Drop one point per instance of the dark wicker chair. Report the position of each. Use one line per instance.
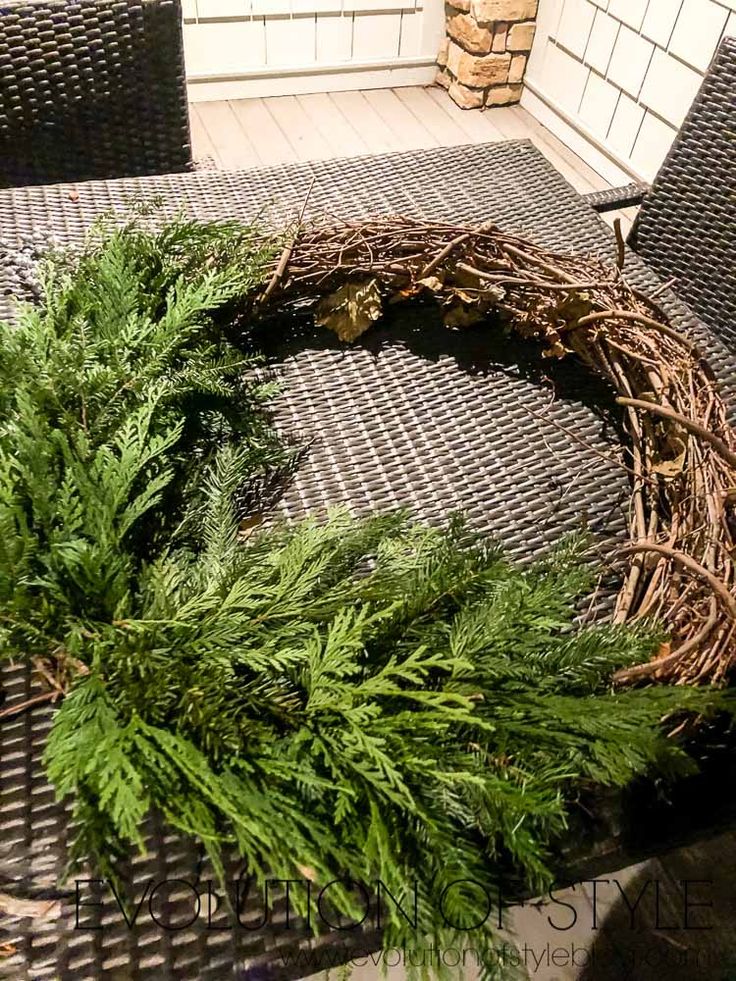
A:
(686, 227)
(91, 89)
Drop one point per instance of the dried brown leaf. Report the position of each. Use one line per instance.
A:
(555, 350)
(248, 525)
(664, 650)
(433, 283)
(461, 315)
(572, 306)
(351, 309)
(670, 467)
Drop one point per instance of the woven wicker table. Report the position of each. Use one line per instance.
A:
(414, 415)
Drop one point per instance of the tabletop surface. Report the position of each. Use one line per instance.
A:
(412, 415)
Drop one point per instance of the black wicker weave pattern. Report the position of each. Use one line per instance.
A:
(435, 420)
(614, 198)
(686, 227)
(91, 89)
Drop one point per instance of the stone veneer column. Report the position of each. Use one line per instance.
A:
(483, 58)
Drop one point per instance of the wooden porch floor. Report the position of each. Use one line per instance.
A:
(260, 132)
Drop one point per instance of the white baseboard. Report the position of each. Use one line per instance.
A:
(340, 78)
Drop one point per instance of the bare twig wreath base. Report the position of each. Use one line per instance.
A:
(682, 451)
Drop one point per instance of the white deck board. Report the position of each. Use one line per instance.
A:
(364, 118)
(443, 128)
(233, 148)
(282, 129)
(408, 131)
(271, 145)
(478, 127)
(299, 128)
(336, 127)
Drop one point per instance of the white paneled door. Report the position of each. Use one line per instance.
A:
(254, 48)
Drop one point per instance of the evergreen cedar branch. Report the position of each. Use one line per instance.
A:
(364, 698)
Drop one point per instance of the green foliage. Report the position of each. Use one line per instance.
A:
(371, 699)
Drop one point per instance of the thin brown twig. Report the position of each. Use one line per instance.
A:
(288, 250)
(620, 244)
(47, 696)
(690, 424)
(718, 587)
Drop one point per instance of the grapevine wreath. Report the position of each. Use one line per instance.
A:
(682, 448)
